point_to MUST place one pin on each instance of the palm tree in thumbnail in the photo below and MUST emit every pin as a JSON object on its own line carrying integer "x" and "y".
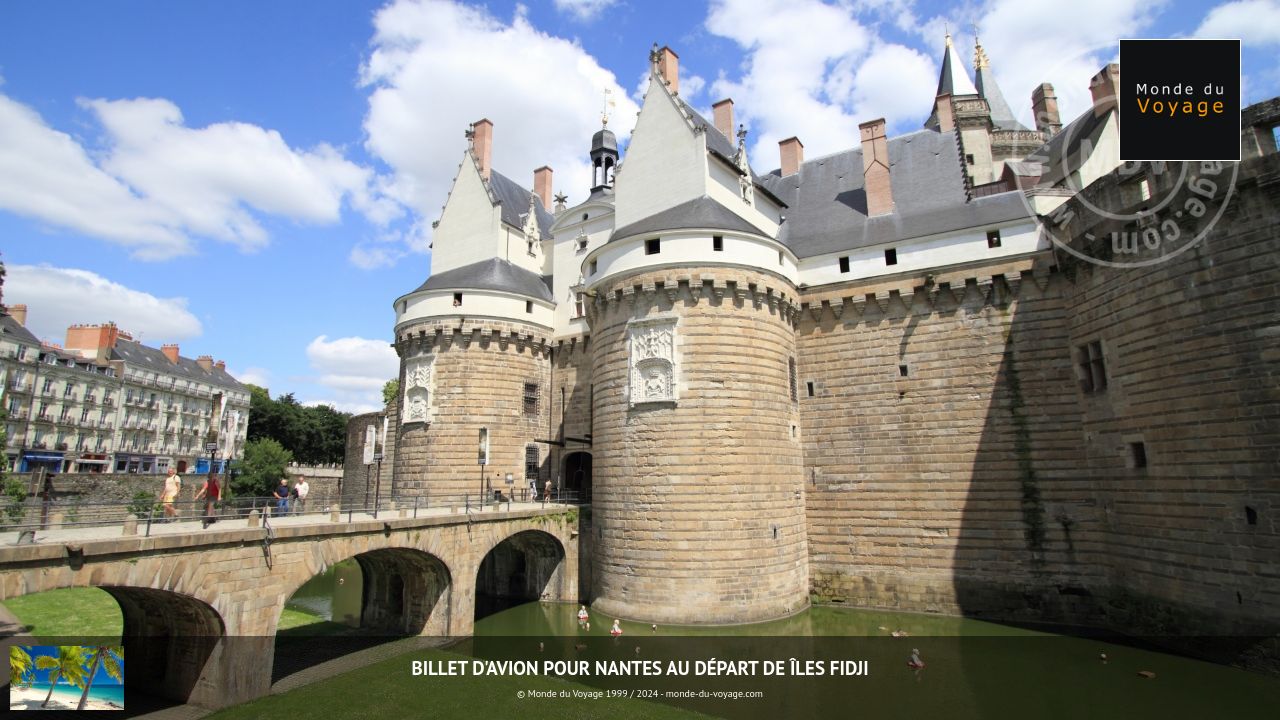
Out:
{"x": 110, "y": 657}
{"x": 67, "y": 665}
{"x": 20, "y": 664}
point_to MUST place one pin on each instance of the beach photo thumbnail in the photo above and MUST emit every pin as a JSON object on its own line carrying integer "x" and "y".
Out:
{"x": 66, "y": 677}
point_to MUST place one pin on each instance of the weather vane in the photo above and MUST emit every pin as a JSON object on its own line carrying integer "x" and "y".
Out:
{"x": 608, "y": 103}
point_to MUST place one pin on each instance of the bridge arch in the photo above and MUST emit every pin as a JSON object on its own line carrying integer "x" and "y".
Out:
{"x": 169, "y": 639}
{"x": 526, "y": 566}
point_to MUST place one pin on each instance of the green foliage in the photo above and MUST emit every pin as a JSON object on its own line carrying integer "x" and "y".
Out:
{"x": 67, "y": 665}
{"x": 86, "y": 612}
{"x": 260, "y": 471}
{"x": 142, "y": 503}
{"x": 314, "y": 434}
{"x": 111, "y": 658}
{"x": 15, "y": 507}
{"x": 390, "y": 391}
{"x": 20, "y": 665}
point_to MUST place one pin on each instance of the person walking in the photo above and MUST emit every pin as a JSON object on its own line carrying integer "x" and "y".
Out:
{"x": 210, "y": 491}
{"x": 300, "y": 490}
{"x": 282, "y": 497}
{"x": 546, "y": 491}
{"x": 172, "y": 486}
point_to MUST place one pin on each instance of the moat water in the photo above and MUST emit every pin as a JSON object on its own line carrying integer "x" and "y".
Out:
{"x": 972, "y": 668}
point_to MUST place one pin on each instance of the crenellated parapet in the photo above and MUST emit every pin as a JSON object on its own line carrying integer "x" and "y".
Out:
{"x": 437, "y": 335}
{"x": 759, "y": 290}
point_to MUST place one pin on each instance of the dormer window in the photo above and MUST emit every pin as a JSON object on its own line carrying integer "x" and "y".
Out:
{"x": 457, "y": 299}
{"x": 652, "y": 247}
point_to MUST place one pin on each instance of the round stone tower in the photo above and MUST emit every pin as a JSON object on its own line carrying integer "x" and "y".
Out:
{"x": 698, "y": 504}
{"x": 474, "y": 383}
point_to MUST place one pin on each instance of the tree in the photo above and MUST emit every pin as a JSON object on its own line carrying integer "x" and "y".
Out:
{"x": 314, "y": 434}
{"x": 390, "y": 391}
{"x": 20, "y": 665}
{"x": 67, "y": 665}
{"x": 260, "y": 471}
{"x": 110, "y": 657}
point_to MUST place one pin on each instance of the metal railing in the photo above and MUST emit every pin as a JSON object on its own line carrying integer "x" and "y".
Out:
{"x": 38, "y": 514}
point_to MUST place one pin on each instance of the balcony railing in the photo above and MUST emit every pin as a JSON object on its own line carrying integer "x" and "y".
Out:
{"x": 19, "y": 386}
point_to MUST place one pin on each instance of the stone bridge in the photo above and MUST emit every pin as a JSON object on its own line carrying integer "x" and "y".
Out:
{"x": 201, "y": 609}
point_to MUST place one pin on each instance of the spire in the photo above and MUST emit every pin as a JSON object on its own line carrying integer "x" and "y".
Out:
{"x": 1001, "y": 116}
{"x": 952, "y": 80}
{"x": 604, "y": 156}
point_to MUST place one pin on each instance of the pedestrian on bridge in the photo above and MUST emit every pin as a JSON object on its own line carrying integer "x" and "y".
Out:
{"x": 172, "y": 485}
{"x": 300, "y": 490}
{"x": 210, "y": 491}
{"x": 282, "y": 497}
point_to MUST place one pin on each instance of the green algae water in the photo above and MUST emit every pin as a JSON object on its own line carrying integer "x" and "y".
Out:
{"x": 972, "y": 668}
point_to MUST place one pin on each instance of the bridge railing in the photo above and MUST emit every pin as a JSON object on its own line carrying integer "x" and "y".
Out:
{"x": 146, "y": 514}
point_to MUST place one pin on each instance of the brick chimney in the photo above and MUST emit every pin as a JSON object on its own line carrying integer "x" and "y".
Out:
{"x": 482, "y": 145}
{"x": 205, "y": 362}
{"x": 1105, "y": 87}
{"x": 92, "y": 340}
{"x": 542, "y": 186}
{"x": 792, "y": 151}
{"x": 1044, "y": 106}
{"x": 722, "y": 115}
{"x": 669, "y": 68}
{"x": 171, "y": 352}
{"x": 19, "y": 313}
{"x": 942, "y": 108}
{"x": 875, "y": 168}
{"x": 221, "y": 365}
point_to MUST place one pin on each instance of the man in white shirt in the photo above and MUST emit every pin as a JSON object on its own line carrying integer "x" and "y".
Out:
{"x": 300, "y": 489}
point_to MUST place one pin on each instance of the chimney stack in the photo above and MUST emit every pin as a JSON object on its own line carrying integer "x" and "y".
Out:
{"x": 171, "y": 352}
{"x": 205, "y": 362}
{"x": 792, "y": 151}
{"x": 221, "y": 365}
{"x": 722, "y": 115}
{"x": 93, "y": 340}
{"x": 1105, "y": 87}
{"x": 942, "y": 108}
{"x": 875, "y": 168}
{"x": 542, "y": 186}
{"x": 482, "y": 144}
{"x": 669, "y": 68}
{"x": 1044, "y": 106}
{"x": 19, "y": 313}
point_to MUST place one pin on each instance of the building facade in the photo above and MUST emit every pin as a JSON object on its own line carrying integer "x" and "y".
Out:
{"x": 103, "y": 402}
{"x": 867, "y": 377}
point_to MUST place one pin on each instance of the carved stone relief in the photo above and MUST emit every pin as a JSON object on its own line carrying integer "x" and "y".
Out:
{"x": 653, "y": 360}
{"x": 417, "y": 390}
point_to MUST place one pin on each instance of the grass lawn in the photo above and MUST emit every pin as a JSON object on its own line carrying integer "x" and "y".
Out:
{"x": 387, "y": 689}
{"x": 69, "y": 613}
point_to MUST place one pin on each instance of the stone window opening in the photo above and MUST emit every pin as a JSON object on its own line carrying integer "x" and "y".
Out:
{"x": 528, "y": 306}
{"x": 457, "y": 299}
{"x": 594, "y": 266}
{"x": 1250, "y": 515}
{"x": 532, "y": 467}
{"x": 530, "y": 399}
{"x": 578, "y": 308}
{"x": 1137, "y": 455}
{"x": 1091, "y": 368}
{"x": 903, "y": 371}
{"x": 653, "y": 246}
{"x": 891, "y": 256}
{"x": 844, "y": 264}
{"x": 717, "y": 243}
{"x": 993, "y": 238}
{"x": 809, "y": 387}
{"x": 968, "y": 159}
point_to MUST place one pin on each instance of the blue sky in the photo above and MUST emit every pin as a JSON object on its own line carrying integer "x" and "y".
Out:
{"x": 256, "y": 181}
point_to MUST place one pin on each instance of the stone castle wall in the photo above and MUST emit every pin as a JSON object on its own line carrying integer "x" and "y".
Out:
{"x": 570, "y": 404}
{"x": 698, "y": 504}
{"x": 940, "y": 445}
{"x": 478, "y": 378}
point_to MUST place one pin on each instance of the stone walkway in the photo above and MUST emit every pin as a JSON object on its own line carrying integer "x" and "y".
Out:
{"x": 193, "y": 526}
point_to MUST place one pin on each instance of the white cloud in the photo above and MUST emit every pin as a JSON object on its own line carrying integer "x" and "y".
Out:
{"x": 815, "y": 71}
{"x": 252, "y": 376}
{"x": 1256, "y": 22}
{"x": 60, "y": 297}
{"x": 352, "y": 370}
{"x": 156, "y": 183}
{"x": 436, "y": 67}
{"x": 1028, "y": 46}
{"x": 583, "y": 10}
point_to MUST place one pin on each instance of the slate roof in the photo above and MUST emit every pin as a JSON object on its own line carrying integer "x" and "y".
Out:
{"x": 515, "y": 203}
{"x": 725, "y": 149}
{"x": 702, "y": 212}
{"x": 1063, "y": 149}
{"x": 829, "y": 205}
{"x": 13, "y": 329}
{"x": 137, "y": 354}
{"x": 949, "y": 83}
{"x": 1001, "y": 116}
{"x": 492, "y": 274}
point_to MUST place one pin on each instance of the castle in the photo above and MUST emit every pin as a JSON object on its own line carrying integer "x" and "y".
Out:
{"x": 867, "y": 377}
